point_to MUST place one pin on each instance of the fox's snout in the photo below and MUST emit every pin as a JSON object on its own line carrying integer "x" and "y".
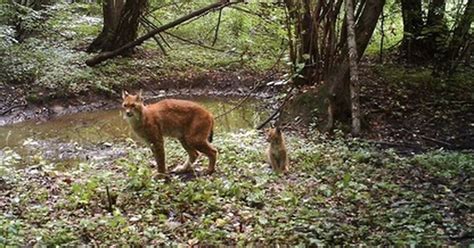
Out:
{"x": 129, "y": 113}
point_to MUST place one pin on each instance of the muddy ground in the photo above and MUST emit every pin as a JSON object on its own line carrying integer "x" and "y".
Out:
{"x": 408, "y": 118}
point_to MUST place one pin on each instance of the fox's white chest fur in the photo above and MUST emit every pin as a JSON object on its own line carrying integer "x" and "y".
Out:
{"x": 136, "y": 123}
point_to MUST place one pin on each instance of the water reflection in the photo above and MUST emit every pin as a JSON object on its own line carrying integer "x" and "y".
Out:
{"x": 109, "y": 125}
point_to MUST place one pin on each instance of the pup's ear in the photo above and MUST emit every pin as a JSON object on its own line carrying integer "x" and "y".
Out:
{"x": 124, "y": 94}
{"x": 139, "y": 95}
{"x": 278, "y": 130}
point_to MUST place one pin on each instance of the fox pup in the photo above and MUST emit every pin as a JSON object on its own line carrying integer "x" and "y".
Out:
{"x": 187, "y": 121}
{"x": 276, "y": 151}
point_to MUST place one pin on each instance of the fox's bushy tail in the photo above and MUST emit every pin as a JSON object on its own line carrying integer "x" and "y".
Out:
{"x": 211, "y": 135}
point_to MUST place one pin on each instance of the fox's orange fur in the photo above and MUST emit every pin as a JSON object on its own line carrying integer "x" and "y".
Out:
{"x": 276, "y": 151}
{"x": 187, "y": 121}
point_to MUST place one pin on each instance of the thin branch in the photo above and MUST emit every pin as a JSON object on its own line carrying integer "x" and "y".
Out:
{"x": 217, "y": 28}
{"x": 253, "y": 13}
{"x": 382, "y": 35}
{"x": 278, "y": 111}
{"x": 259, "y": 84}
{"x": 148, "y": 27}
{"x": 198, "y": 44}
{"x": 12, "y": 108}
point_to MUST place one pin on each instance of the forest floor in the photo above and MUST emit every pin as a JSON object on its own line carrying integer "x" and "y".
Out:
{"x": 407, "y": 181}
{"x": 338, "y": 191}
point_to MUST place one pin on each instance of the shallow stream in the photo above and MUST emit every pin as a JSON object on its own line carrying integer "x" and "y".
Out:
{"x": 81, "y": 136}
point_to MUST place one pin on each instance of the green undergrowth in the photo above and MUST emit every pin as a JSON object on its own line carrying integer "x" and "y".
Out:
{"x": 49, "y": 61}
{"x": 422, "y": 77}
{"x": 336, "y": 192}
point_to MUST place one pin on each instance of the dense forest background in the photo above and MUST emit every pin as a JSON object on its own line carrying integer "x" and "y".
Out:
{"x": 376, "y": 97}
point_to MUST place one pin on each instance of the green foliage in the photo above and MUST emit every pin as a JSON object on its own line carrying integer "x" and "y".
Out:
{"x": 446, "y": 164}
{"x": 337, "y": 192}
{"x": 423, "y": 77}
{"x": 11, "y": 232}
{"x": 49, "y": 61}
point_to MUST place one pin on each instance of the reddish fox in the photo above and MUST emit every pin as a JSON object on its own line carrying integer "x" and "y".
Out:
{"x": 276, "y": 151}
{"x": 187, "y": 121}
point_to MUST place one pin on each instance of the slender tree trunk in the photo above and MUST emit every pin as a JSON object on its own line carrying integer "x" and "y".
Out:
{"x": 353, "y": 61}
{"x": 338, "y": 80}
{"x": 460, "y": 39}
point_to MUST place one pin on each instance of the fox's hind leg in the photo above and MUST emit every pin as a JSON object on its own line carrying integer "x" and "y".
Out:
{"x": 209, "y": 150}
{"x": 192, "y": 156}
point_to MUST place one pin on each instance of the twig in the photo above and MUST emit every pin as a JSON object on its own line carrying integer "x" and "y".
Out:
{"x": 217, "y": 27}
{"x": 382, "y": 36}
{"x": 109, "y": 199}
{"x": 239, "y": 104}
{"x": 197, "y": 43}
{"x": 12, "y": 108}
{"x": 402, "y": 144}
{"x": 437, "y": 141}
{"x": 252, "y": 13}
{"x": 394, "y": 45}
{"x": 154, "y": 26}
{"x": 148, "y": 26}
{"x": 271, "y": 117}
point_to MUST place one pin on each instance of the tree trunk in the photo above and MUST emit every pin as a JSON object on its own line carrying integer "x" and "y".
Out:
{"x": 460, "y": 39}
{"x": 338, "y": 80}
{"x": 412, "y": 26}
{"x": 435, "y": 29}
{"x": 121, "y": 19}
{"x": 305, "y": 52}
{"x": 127, "y": 28}
{"x": 353, "y": 58}
{"x": 111, "y": 10}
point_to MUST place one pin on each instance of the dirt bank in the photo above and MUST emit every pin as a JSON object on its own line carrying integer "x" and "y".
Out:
{"x": 15, "y": 106}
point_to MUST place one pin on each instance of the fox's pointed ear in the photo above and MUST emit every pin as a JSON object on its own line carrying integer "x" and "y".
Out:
{"x": 124, "y": 94}
{"x": 278, "y": 129}
{"x": 139, "y": 95}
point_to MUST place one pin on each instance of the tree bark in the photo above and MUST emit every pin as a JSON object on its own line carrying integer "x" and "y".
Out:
{"x": 127, "y": 27}
{"x": 353, "y": 61}
{"x": 111, "y": 10}
{"x": 412, "y": 25}
{"x": 338, "y": 80}
{"x": 435, "y": 29}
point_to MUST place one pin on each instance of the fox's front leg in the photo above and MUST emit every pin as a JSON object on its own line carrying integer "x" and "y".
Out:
{"x": 159, "y": 154}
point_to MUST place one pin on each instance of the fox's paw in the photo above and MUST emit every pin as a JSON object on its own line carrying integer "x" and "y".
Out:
{"x": 185, "y": 168}
{"x": 209, "y": 172}
{"x": 160, "y": 176}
